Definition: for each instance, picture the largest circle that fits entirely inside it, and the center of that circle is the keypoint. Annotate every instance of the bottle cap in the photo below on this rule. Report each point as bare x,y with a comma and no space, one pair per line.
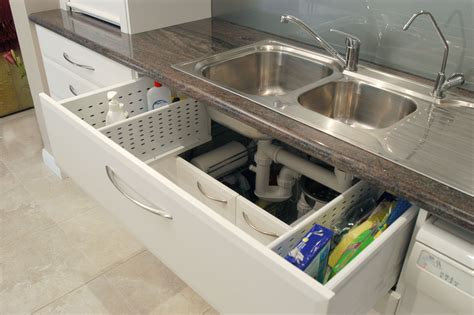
111,95
114,105
157,84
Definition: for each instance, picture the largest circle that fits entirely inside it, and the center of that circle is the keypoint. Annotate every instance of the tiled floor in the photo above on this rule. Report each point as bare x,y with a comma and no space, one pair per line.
62,253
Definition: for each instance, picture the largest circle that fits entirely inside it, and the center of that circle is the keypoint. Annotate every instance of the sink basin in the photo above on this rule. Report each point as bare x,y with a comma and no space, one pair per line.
268,71
358,104
264,70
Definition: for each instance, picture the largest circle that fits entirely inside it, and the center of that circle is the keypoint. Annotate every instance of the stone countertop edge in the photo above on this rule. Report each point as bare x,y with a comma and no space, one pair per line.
153,53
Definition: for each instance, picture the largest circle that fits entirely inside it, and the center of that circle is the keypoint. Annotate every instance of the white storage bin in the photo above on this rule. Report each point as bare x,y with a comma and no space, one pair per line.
384,255
231,270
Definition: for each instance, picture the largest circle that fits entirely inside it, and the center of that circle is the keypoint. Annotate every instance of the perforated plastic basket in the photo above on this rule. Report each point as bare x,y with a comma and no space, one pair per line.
92,107
145,134
182,124
326,216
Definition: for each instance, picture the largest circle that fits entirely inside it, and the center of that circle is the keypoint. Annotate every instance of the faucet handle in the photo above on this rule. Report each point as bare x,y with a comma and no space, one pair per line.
351,40
352,50
456,79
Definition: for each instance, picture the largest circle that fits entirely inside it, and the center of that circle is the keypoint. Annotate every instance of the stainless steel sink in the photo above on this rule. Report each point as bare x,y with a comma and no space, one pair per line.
263,70
358,104
267,70
308,87
388,115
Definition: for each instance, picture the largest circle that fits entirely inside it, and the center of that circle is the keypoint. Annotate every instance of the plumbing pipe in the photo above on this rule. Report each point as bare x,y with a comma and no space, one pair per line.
286,180
262,173
337,180
284,188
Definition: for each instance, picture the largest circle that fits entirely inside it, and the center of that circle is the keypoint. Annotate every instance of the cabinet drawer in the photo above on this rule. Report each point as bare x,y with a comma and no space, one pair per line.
84,62
257,222
63,83
206,189
230,269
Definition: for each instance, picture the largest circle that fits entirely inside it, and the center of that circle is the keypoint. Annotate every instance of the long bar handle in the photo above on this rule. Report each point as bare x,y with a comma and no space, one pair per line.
249,223
112,177
66,56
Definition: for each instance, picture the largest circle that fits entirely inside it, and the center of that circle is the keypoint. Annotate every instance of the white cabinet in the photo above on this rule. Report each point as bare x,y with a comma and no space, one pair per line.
132,168
136,16
83,66
64,83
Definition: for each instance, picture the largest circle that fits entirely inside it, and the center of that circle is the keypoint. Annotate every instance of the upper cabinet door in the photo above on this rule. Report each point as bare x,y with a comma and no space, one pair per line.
112,11
136,16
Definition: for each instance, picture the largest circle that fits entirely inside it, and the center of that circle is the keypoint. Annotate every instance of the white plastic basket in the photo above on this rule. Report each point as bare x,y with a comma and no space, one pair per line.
145,134
326,216
92,108
183,124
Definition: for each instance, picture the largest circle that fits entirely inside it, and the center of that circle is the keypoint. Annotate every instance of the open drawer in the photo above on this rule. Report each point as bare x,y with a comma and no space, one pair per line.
230,269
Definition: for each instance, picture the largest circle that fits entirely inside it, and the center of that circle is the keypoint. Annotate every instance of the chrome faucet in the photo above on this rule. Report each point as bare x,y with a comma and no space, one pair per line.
441,84
352,44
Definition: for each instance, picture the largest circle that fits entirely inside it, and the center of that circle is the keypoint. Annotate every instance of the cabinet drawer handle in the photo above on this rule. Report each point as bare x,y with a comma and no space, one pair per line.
112,177
73,90
209,197
66,56
249,223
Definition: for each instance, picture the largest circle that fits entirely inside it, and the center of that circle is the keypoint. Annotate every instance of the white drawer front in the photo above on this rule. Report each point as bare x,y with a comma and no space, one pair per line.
63,83
82,61
257,222
206,189
230,269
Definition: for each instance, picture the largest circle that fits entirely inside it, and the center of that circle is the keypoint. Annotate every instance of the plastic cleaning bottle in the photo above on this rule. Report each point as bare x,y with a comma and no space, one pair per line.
158,96
116,112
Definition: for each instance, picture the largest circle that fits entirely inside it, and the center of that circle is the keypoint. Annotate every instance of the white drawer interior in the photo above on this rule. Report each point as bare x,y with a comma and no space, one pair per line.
157,137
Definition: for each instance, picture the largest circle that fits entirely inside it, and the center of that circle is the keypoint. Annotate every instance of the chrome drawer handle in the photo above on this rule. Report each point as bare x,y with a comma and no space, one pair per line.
209,197
66,56
111,175
249,223
73,90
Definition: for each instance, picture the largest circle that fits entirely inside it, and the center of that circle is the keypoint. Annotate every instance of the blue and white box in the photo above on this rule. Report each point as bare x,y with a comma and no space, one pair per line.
312,252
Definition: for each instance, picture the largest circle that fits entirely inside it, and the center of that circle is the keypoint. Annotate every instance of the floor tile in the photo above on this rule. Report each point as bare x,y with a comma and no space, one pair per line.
184,302
47,188
18,222
145,282
30,168
20,215
102,239
68,205
40,269
19,136
7,179
15,197
95,297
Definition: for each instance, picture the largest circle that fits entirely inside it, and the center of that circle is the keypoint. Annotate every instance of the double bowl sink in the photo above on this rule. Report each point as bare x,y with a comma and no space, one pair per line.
308,87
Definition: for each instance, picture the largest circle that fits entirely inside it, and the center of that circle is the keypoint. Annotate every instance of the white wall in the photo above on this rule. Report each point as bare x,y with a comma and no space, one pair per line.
31,53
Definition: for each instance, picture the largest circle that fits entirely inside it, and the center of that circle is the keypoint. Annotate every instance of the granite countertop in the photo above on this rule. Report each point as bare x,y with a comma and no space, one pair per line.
153,53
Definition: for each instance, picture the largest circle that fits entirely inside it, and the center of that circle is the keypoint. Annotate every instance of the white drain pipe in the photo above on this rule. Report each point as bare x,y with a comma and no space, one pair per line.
295,165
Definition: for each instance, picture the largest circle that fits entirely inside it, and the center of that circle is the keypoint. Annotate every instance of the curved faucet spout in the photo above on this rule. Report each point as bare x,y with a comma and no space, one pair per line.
438,30
292,19
441,84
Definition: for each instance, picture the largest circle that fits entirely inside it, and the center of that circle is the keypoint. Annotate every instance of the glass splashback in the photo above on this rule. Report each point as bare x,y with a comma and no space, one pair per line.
378,23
